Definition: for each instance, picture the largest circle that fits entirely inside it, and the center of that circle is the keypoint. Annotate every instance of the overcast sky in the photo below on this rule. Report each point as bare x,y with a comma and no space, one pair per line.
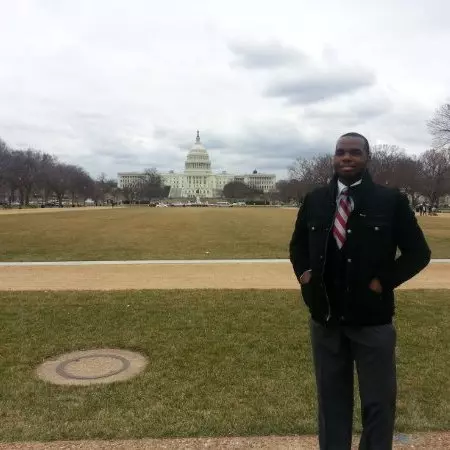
115,85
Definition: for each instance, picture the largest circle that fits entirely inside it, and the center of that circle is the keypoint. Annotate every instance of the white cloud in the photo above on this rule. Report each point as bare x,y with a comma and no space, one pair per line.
123,85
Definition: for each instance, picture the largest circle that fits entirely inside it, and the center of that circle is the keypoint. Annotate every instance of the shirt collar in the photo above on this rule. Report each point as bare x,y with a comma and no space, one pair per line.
342,186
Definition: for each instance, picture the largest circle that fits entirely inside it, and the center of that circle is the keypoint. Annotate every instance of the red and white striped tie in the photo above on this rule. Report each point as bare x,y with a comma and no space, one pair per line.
340,221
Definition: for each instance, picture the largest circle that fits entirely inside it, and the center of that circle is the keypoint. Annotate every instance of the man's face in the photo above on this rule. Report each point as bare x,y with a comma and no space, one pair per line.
350,158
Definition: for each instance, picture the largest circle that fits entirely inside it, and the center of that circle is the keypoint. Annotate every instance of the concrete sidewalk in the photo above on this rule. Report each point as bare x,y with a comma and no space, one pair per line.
179,276
419,441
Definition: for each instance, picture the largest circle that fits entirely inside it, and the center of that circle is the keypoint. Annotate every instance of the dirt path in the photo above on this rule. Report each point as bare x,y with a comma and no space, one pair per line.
8,212
179,276
420,441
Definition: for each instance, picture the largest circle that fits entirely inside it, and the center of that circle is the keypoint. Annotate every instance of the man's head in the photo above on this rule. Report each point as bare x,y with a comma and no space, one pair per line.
351,157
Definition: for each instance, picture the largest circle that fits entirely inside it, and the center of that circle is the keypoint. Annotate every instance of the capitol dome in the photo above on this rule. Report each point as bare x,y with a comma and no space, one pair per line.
197,159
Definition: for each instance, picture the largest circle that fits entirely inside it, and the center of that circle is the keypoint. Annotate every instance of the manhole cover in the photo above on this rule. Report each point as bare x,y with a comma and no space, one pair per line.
92,366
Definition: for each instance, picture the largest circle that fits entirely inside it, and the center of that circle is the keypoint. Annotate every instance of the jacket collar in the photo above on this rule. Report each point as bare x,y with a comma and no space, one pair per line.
358,193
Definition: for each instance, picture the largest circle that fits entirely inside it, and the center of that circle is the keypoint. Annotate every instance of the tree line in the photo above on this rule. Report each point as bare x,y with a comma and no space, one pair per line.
29,174
32,176
426,175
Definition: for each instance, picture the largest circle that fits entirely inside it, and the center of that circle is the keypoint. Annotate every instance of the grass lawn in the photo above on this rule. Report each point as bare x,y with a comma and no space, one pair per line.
165,233
221,363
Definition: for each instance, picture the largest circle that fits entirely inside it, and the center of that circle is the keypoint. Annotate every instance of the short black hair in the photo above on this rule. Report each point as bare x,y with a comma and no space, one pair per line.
357,135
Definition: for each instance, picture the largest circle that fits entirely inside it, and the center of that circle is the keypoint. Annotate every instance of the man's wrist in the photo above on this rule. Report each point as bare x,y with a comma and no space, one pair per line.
386,282
301,277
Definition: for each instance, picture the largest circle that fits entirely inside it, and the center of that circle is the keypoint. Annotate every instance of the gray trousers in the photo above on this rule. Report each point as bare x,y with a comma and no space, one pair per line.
335,351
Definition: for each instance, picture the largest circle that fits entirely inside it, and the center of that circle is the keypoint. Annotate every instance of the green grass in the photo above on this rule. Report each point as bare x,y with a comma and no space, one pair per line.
221,363
164,233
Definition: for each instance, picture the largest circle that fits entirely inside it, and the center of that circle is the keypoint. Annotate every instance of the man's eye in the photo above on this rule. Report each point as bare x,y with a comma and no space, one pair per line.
351,152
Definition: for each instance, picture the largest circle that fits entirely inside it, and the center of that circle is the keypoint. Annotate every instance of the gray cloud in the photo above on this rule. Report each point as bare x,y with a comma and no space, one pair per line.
363,106
371,110
267,147
298,78
272,143
176,138
161,132
410,130
265,55
319,86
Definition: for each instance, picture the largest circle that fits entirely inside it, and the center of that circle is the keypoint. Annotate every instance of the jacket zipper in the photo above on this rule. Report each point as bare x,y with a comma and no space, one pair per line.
324,265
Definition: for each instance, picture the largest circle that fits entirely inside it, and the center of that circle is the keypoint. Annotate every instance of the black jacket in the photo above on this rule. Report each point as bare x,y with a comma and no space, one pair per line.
381,223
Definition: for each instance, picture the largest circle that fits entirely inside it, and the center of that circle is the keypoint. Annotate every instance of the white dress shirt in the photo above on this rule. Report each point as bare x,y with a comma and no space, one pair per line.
341,187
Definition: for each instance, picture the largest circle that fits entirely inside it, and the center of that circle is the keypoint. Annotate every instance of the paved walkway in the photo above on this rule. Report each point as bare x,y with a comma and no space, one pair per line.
419,441
178,275
145,262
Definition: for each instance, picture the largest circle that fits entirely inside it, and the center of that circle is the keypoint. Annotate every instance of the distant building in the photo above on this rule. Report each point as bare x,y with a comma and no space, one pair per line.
197,180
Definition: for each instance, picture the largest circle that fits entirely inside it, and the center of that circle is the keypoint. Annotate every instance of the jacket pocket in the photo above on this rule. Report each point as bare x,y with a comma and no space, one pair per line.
378,229
307,294
375,304
377,240
318,231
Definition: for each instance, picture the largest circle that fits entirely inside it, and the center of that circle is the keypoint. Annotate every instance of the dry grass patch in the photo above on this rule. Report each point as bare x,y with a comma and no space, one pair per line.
221,363
165,233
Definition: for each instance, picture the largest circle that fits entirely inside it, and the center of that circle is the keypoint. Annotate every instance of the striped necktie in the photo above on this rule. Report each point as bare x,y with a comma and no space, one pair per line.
340,221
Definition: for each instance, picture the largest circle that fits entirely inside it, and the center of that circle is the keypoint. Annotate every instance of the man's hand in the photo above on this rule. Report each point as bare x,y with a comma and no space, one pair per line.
305,278
375,286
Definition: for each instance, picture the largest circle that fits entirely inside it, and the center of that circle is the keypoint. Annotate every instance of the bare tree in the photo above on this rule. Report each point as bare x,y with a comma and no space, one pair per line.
34,173
24,173
43,183
409,177
13,175
130,194
104,188
238,190
435,165
111,189
383,164
5,156
291,190
32,167
151,186
391,166
313,172
59,180
116,191
79,183
439,126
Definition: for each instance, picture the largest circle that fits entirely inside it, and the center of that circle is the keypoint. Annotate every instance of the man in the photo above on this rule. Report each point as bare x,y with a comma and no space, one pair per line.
343,252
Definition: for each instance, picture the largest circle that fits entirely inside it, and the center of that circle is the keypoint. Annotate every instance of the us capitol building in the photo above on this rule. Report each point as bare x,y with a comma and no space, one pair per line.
198,180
